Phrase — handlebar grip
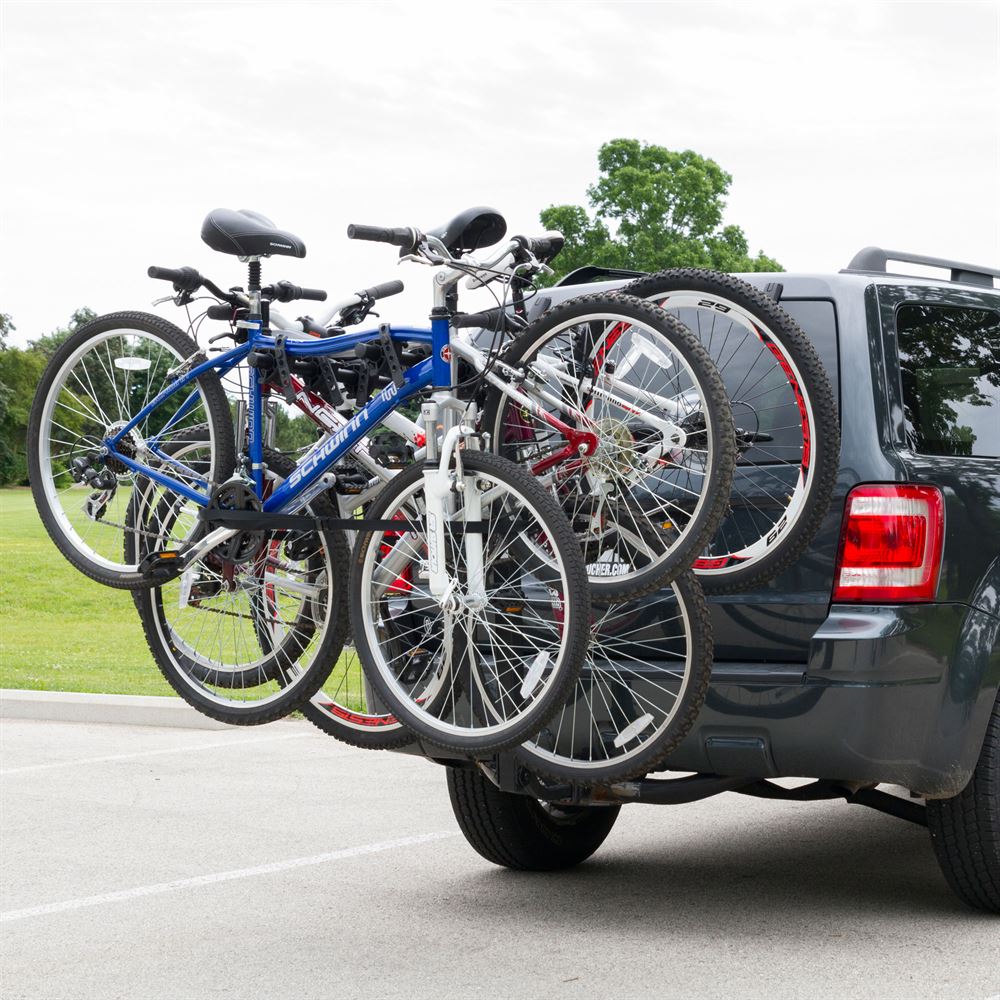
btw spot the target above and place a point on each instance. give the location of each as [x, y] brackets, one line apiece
[543, 247]
[384, 290]
[489, 319]
[221, 310]
[402, 236]
[285, 291]
[546, 247]
[185, 279]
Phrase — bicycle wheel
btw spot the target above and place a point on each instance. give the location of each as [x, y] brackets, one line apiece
[647, 501]
[787, 430]
[250, 632]
[347, 708]
[640, 690]
[95, 383]
[486, 665]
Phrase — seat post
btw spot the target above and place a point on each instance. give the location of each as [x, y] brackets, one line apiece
[253, 278]
[253, 286]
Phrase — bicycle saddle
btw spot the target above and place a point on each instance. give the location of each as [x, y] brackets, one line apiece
[472, 229]
[248, 234]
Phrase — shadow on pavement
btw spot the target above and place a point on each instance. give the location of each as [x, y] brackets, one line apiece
[777, 874]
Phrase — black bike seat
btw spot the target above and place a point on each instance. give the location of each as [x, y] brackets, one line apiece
[472, 229]
[248, 234]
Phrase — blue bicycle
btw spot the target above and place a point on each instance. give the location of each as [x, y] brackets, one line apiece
[467, 588]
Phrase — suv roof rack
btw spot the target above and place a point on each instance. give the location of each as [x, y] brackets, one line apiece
[875, 259]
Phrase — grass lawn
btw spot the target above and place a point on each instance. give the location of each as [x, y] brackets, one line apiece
[60, 631]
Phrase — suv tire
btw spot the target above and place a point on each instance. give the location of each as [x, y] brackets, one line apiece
[965, 829]
[516, 831]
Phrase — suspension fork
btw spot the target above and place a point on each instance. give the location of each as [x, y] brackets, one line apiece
[439, 490]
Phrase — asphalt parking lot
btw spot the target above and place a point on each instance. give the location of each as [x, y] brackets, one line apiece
[274, 862]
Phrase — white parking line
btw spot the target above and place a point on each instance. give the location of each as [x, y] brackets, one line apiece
[152, 753]
[198, 880]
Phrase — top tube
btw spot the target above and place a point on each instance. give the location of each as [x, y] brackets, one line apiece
[344, 342]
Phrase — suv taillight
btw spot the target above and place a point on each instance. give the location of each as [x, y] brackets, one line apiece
[890, 546]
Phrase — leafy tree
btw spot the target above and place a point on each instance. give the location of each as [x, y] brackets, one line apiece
[20, 372]
[653, 208]
[292, 433]
[6, 326]
[49, 343]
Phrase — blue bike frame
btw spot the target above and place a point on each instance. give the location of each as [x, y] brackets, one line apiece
[305, 481]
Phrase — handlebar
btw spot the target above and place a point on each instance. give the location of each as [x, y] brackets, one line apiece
[410, 240]
[404, 237]
[188, 280]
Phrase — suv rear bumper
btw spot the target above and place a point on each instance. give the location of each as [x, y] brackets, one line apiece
[900, 695]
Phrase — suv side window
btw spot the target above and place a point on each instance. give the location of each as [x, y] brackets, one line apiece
[949, 358]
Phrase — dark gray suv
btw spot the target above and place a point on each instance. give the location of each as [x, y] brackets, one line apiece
[844, 669]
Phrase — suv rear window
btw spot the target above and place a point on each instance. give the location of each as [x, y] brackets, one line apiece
[949, 359]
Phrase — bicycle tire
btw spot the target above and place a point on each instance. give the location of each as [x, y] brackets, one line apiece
[203, 683]
[647, 674]
[674, 547]
[783, 529]
[214, 413]
[462, 716]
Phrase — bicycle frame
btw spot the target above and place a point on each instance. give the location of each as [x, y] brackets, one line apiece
[436, 372]
[307, 480]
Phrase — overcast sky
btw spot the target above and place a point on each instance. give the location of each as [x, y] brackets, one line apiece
[843, 124]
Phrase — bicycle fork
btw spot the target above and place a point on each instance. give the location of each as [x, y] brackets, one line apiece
[442, 489]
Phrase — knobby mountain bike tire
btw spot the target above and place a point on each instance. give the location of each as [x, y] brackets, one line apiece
[643, 508]
[787, 426]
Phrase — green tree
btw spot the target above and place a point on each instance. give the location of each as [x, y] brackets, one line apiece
[6, 395]
[6, 326]
[292, 433]
[653, 208]
[49, 343]
[20, 372]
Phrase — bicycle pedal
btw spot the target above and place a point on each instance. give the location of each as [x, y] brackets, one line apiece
[158, 568]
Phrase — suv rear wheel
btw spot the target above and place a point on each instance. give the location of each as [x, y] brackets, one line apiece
[965, 829]
[516, 831]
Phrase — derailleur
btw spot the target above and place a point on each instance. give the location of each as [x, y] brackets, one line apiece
[104, 481]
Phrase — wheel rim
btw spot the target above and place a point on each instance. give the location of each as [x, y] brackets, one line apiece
[246, 633]
[501, 658]
[625, 700]
[649, 509]
[348, 699]
[784, 471]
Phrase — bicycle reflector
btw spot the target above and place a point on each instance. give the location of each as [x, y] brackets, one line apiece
[890, 545]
